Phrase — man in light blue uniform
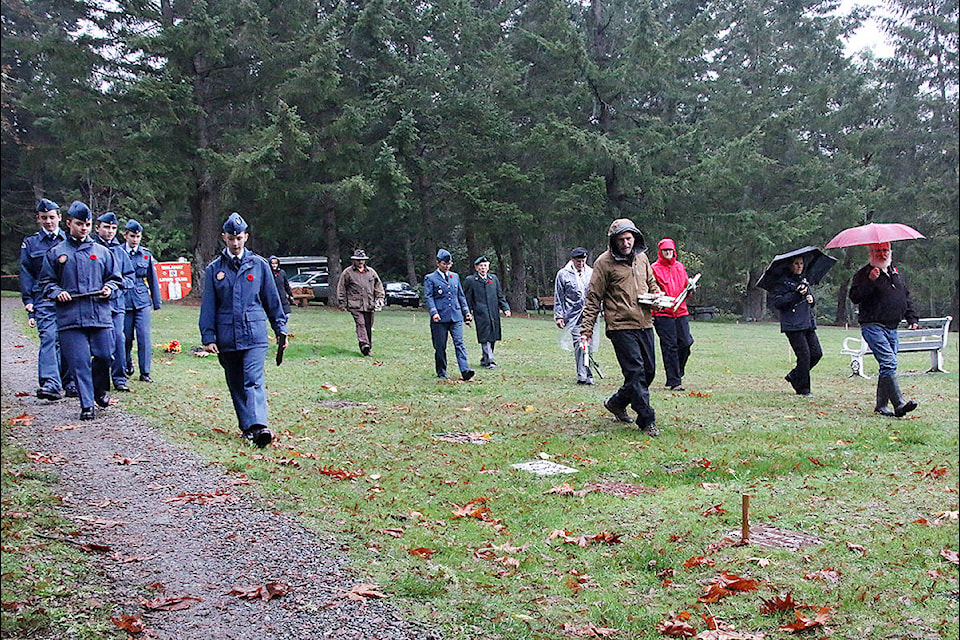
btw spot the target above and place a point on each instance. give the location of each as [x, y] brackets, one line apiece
[139, 300]
[448, 309]
[107, 236]
[81, 276]
[42, 313]
[239, 297]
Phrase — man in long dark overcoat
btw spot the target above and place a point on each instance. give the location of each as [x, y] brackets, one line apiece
[485, 298]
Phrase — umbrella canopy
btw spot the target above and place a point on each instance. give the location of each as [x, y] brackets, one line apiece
[815, 265]
[873, 233]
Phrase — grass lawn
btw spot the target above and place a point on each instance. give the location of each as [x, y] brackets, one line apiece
[464, 541]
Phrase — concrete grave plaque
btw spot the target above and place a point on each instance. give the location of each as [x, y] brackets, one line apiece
[543, 468]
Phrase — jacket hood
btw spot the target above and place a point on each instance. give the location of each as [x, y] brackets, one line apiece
[666, 243]
[620, 225]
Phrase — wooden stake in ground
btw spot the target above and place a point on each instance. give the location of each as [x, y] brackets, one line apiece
[745, 523]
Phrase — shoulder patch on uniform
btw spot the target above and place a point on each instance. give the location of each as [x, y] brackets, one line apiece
[62, 258]
[221, 275]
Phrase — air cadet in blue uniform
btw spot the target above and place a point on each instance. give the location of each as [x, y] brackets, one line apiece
[139, 300]
[42, 313]
[81, 276]
[107, 236]
[239, 297]
[448, 309]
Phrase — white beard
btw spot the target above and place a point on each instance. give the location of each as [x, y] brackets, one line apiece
[881, 264]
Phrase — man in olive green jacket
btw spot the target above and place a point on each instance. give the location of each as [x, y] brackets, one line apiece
[360, 292]
[620, 276]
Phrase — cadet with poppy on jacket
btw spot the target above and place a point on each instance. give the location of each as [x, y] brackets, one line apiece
[144, 296]
[106, 234]
[81, 276]
[239, 298]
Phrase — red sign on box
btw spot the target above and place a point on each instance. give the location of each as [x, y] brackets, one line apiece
[175, 279]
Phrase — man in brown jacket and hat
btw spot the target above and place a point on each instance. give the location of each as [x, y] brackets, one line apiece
[620, 276]
[360, 292]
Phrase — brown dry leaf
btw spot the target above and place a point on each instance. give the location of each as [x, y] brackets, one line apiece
[779, 603]
[858, 548]
[393, 532]
[340, 474]
[469, 510]
[93, 546]
[829, 575]
[697, 561]
[130, 624]
[587, 630]
[715, 510]
[173, 603]
[24, 419]
[421, 552]
[726, 633]
[566, 489]
[263, 591]
[360, 592]
[803, 622]
[41, 457]
[677, 626]
[219, 496]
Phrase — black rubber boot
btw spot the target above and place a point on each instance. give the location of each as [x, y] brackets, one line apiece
[883, 397]
[901, 406]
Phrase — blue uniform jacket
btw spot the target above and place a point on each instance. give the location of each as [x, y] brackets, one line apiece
[118, 301]
[31, 261]
[78, 267]
[237, 303]
[444, 296]
[146, 287]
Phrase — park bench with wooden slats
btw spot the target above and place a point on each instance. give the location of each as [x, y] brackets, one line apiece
[931, 336]
[542, 303]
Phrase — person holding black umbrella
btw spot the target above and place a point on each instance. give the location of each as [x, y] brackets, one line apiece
[793, 299]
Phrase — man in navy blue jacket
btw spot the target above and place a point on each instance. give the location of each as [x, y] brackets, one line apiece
[239, 298]
[81, 276]
[139, 300]
[42, 313]
[448, 309]
[107, 236]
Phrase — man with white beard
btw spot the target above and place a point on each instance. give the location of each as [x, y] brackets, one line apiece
[884, 300]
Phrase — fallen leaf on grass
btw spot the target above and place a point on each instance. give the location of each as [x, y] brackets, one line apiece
[469, 510]
[803, 622]
[726, 584]
[566, 489]
[697, 561]
[587, 630]
[93, 546]
[858, 548]
[263, 591]
[949, 555]
[677, 626]
[715, 510]
[340, 474]
[24, 419]
[42, 457]
[584, 540]
[360, 592]
[172, 603]
[778, 603]
[131, 624]
[421, 552]
[329, 387]
[830, 575]
[393, 532]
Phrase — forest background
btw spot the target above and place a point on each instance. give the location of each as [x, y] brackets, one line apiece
[511, 128]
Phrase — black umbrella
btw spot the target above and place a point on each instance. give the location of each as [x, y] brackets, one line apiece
[815, 265]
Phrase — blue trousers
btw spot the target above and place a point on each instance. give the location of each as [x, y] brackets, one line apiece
[88, 352]
[883, 342]
[138, 321]
[675, 343]
[247, 384]
[49, 363]
[635, 353]
[118, 370]
[438, 333]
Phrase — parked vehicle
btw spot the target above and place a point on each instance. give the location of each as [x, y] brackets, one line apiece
[311, 286]
[401, 293]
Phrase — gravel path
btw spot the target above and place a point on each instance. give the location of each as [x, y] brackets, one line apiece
[202, 550]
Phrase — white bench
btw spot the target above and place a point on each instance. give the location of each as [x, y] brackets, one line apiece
[931, 336]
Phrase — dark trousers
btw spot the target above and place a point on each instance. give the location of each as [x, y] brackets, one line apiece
[136, 324]
[244, 371]
[438, 334]
[364, 322]
[118, 370]
[635, 353]
[675, 342]
[89, 352]
[806, 346]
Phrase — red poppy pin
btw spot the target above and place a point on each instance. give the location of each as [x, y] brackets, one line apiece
[62, 259]
[93, 256]
[250, 277]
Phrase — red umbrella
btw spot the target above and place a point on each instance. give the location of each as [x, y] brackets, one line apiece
[873, 233]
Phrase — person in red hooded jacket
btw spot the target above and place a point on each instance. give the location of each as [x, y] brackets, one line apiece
[672, 325]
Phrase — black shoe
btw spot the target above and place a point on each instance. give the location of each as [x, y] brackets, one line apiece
[129, 371]
[145, 377]
[86, 413]
[676, 387]
[71, 392]
[121, 387]
[46, 393]
[584, 381]
[905, 408]
[884, 411]
[365, 349]
[102, 401]
[261, 437]
[466, 375]
[620, 413]
[492, 365]
[651, 430]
